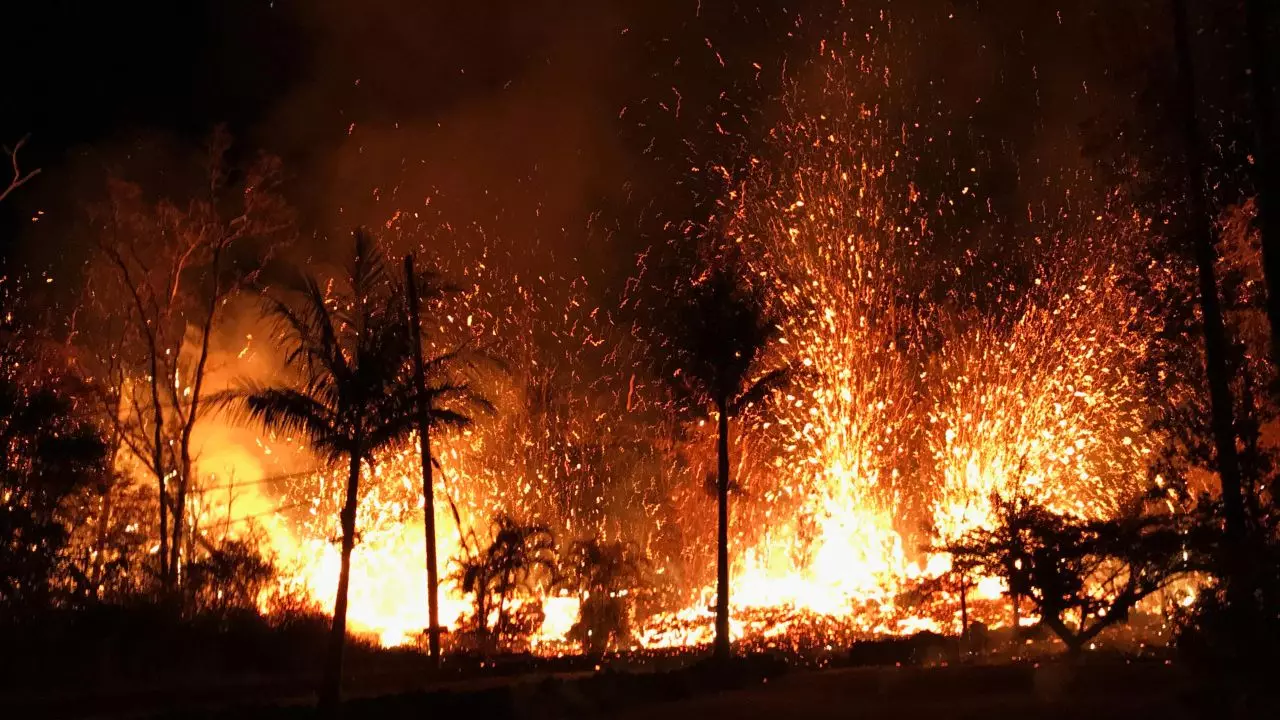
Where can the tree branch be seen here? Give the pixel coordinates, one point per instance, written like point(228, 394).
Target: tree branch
point(19, 179)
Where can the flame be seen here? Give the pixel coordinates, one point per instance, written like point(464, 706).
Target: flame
point(908, 415)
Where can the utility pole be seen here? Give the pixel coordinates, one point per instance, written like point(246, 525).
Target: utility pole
point(424, 443)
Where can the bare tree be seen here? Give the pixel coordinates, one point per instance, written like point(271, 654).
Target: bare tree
point(162, 273)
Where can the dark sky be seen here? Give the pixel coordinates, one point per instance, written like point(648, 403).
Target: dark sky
point(534, 117)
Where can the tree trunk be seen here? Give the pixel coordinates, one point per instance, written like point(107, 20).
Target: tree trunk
point(428, 488)
point(104, 522)
point(1017, 617)
point(186, 463)
point(722, 649)
point(157, 466)
point(1258, 21)
point(331, 683)
point(964, 612)
point(500, 626)
point(482, 613)
point(104, 525)
point(1215, 339)
point(179, 522)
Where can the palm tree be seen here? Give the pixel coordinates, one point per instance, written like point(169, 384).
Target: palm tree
point(717, 343)
point(443, 403)
point(519, 557)
point(349, 351)
point(604, 575)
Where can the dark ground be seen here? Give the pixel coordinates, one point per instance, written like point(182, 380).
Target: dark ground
point(1111, 688)
point(1132, 692)
point(1099, 688)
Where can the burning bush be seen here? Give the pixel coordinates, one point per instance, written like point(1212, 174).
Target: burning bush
point(1082, 576)
point(605, 577)
point(505, 579)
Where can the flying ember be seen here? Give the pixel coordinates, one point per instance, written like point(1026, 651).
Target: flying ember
point(911, 410)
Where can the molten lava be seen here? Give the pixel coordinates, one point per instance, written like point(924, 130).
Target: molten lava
point(914, 406)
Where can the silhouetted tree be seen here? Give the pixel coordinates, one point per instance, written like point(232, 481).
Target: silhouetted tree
point(230, 577)
point(1215, 337)
point(716, 342)
point(49, 449)
point(1259, 16)
point(162, 275)
point(443, 401)
point(520, 558)
point(1241, 668)
point(604, 576)
point(349, 351)
point(1082, 576)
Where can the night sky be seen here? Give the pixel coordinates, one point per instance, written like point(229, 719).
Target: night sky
point(546, 121)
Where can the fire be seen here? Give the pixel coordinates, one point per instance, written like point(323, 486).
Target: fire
point(1050, 408)
point(387, 597)
point(908, 415)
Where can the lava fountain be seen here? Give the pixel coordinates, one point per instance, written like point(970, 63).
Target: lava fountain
point(909, 415)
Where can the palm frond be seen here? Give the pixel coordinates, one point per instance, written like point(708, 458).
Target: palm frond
point(288, 411)
point(368, 267)
point(762, 389)
point(717, 335)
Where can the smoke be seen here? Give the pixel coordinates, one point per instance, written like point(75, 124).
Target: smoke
point(497, 117)
point(534, 151)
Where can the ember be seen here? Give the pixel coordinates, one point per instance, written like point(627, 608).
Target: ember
point(565, 336)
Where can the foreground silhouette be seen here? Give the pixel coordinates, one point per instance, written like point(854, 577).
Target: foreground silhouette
point(717, 342)
point(349, 352)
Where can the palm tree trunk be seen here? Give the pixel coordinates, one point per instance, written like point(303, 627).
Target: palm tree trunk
point(722, 537)
point(1215, 339)
point(428, 491)
point(482, 613)
point(501, 625)
point(429, 528)
point(1258, 19)
point(331, 683)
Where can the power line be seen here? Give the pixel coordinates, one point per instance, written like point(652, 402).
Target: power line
point(274, 511)
point(261, 481)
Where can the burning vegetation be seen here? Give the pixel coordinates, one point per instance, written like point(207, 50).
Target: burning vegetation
point(808, 417)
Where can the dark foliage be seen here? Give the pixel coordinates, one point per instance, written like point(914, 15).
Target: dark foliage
point(49, 450)
point(606, 577)
point(1229, 638)
point(925, 648)
point(716, 340)
point(519, 560)
point(230, 578)
point(715, 345)
point(1082, 575)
